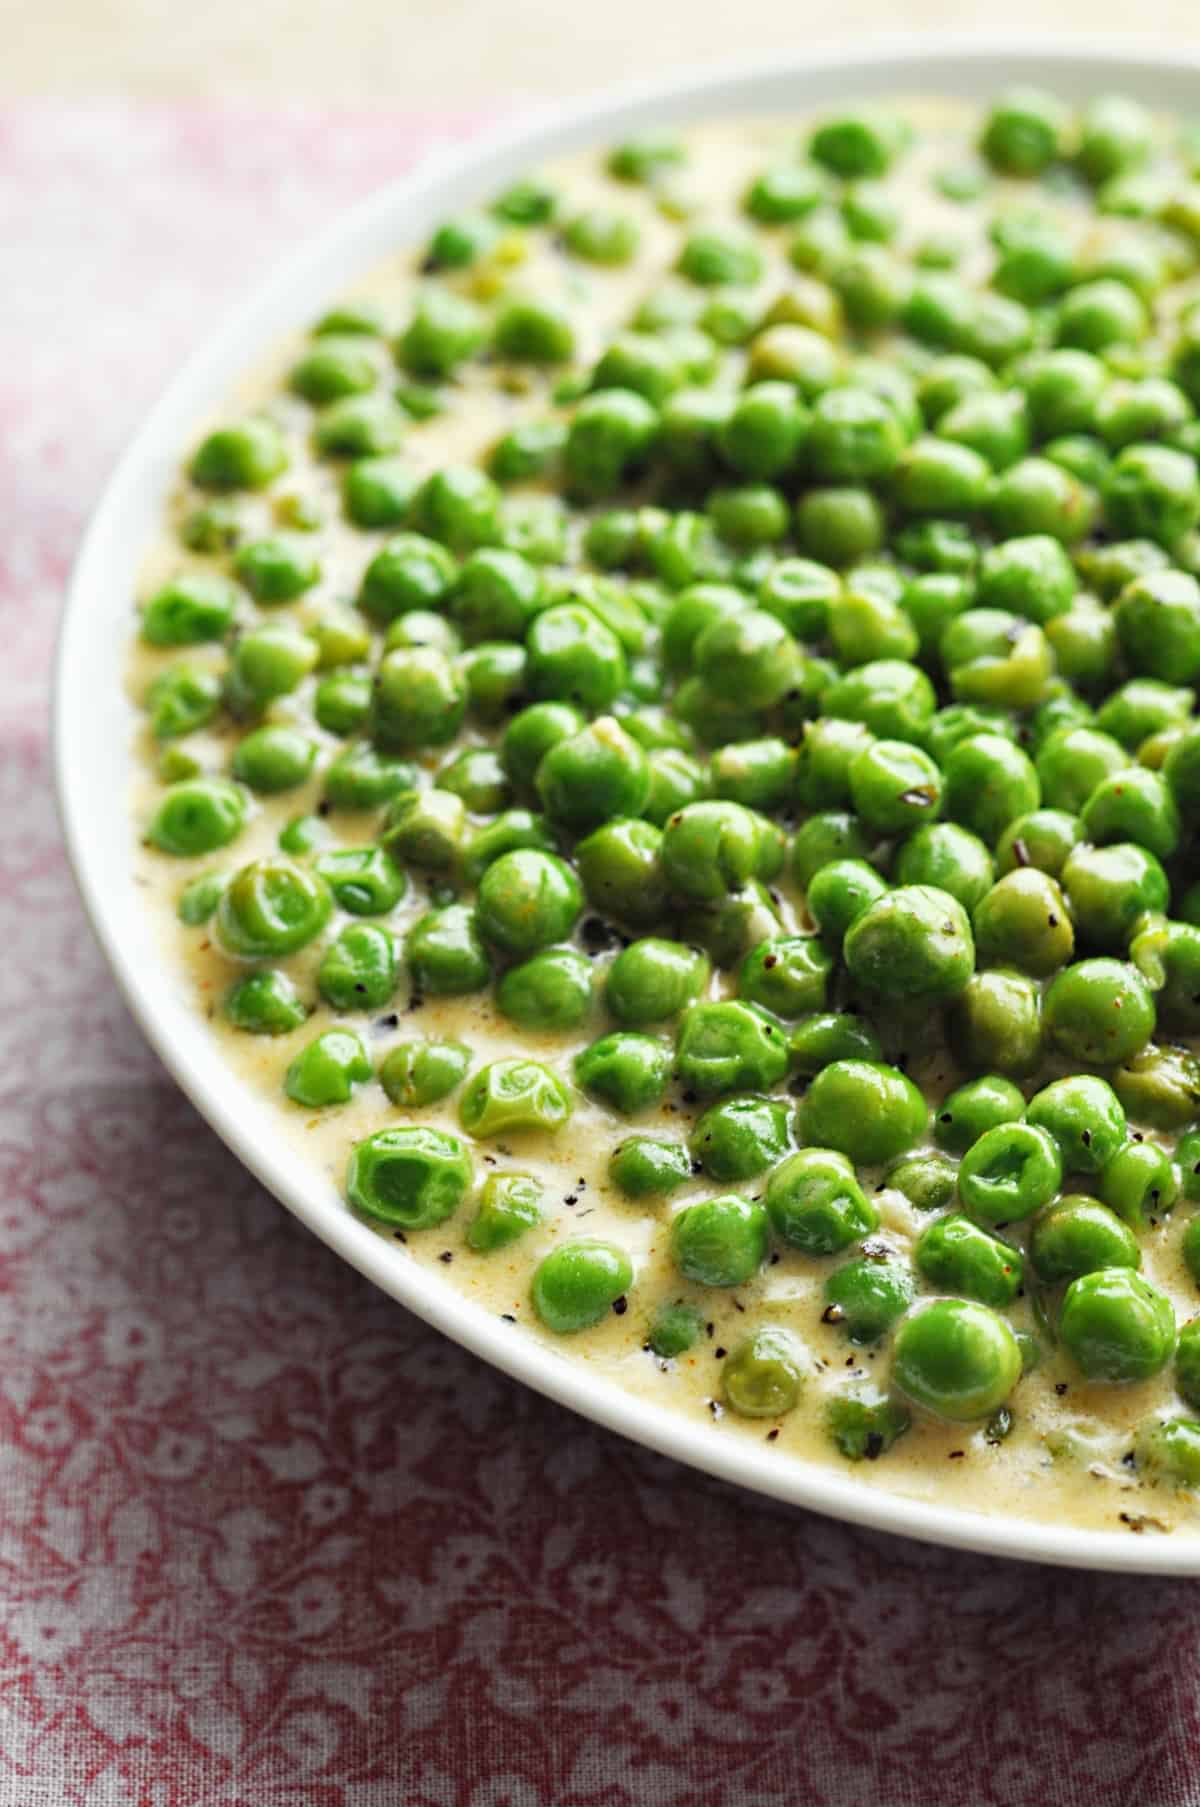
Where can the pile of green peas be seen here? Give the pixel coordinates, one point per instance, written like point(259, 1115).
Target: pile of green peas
point(805, 677)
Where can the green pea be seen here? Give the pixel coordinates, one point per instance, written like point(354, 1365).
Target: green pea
point(415, 1074)
point(1110, 888)
point(360, 426)
point(949, 858)
point(830, 1036)
point(1140, 1183)
point(360, 969)
point(1009, 1173)
point(361, 778)
point(531, 734)
point(956, 1358)
point(1160, 1087)
point(445, 953)
point(527, 900)
point(265, 1003)
point(1170, 1450)
point(620, 869)
point(652, 980)
point(838, 895)
point(327, 1070)
point(1073, 761)
point(866, 1296)
point(1143, 707)
point(675, 1328)
point(720, 1241)
point(839, 523)
point(274, 759)
point(197, 816)
point(914, 942)
point(1158, 623)
point(182, 699)
point(890, 697)
point(827, 835)
point(764, 1374)
point(425, 829)
point(1152, 492)
point(420, 699)
point(1187, 1363)
point(865, 1109)
point(509, 1206)
point(194, 607)
point(624, 1070)
point(1085, 1118)
point(730, 1047)
point(894, 787)
point(1043, 839)
point(1076, 1236)
point(445, 330)
point(1116, 1326)
point(955, 1256)
point(460, 242)
point(974, 1109)
point(511, 830)
point(529, 449)
point(577, 1283)
point(1023, 921)
point(477, 777)
point(200, 897)
point(927, 1179)
point(1133, 805)
point(991, 658)
point(410, 1178)
point(740, 1137)
point(550, 991)
point(988, 783)
point(271, 907)
point(574, 658)
point(862, 143)
point(995, 1023)
point(411, 571)
point(248, 454)
point(511, 1095)
point(863, 1425)
point(597, 774)
point(609, 437)
point(643, 1167)
point(815, 1203)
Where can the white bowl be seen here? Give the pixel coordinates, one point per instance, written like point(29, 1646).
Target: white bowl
point(93, 721)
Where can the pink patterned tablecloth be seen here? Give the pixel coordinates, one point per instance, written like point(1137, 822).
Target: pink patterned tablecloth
point(265, 1541)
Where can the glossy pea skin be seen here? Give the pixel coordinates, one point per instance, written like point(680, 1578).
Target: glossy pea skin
point(838, 895)
point(1073, 761)
point(1023, 921)
point(181, 699)
point(1169, 1450)
point(425, 829)
point(995, 1022)
point(509, 1207)
point(597, 774)
point(951, 858)
point(866, 1110)
point(1140, 1183)
point(197, 816)
point(1109, 889)
point(954, 1255)
point(620, 868)
point(1160, 1087)
point(730, 1047)
point(739, 1138)
point(831, 834)
point(988, 783)
point(1043, 839)
point(786, 975)
point(864, 1424)
point(867, 1295)
point(624, 1070)
point(270, 908)
point(815, 1202)
point(1134, 806)
point(956, 1358)
point(274, 759)
point(894, 787)
point(675, 1328)
point(551, 991)
point(1116, 1326)
point(327, 1070)
point(1010, 1172)
point(527, 900)
point(653, 979)
point(360, 969)
point(763, 1376)
point(265, 1003)
point(362, 778)
point(1085, 1118)
point(971, 1110)
point(914, 942)
point(1077, 1235)
point(720, 1241)
point(416, 1074)
point(409, 1178)
point(1099, 1011)
point(647, 1167)
point(710, 848)
point(578, 1282)
point(831, 1035)
point(511, 1095)
point(445, 953)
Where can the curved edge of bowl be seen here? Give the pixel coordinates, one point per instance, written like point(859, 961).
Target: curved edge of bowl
point(92, 727)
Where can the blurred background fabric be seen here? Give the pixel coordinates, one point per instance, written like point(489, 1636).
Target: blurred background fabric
point(265, 1540)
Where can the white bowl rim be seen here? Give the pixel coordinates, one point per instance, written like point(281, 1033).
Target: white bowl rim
point(92, 720)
